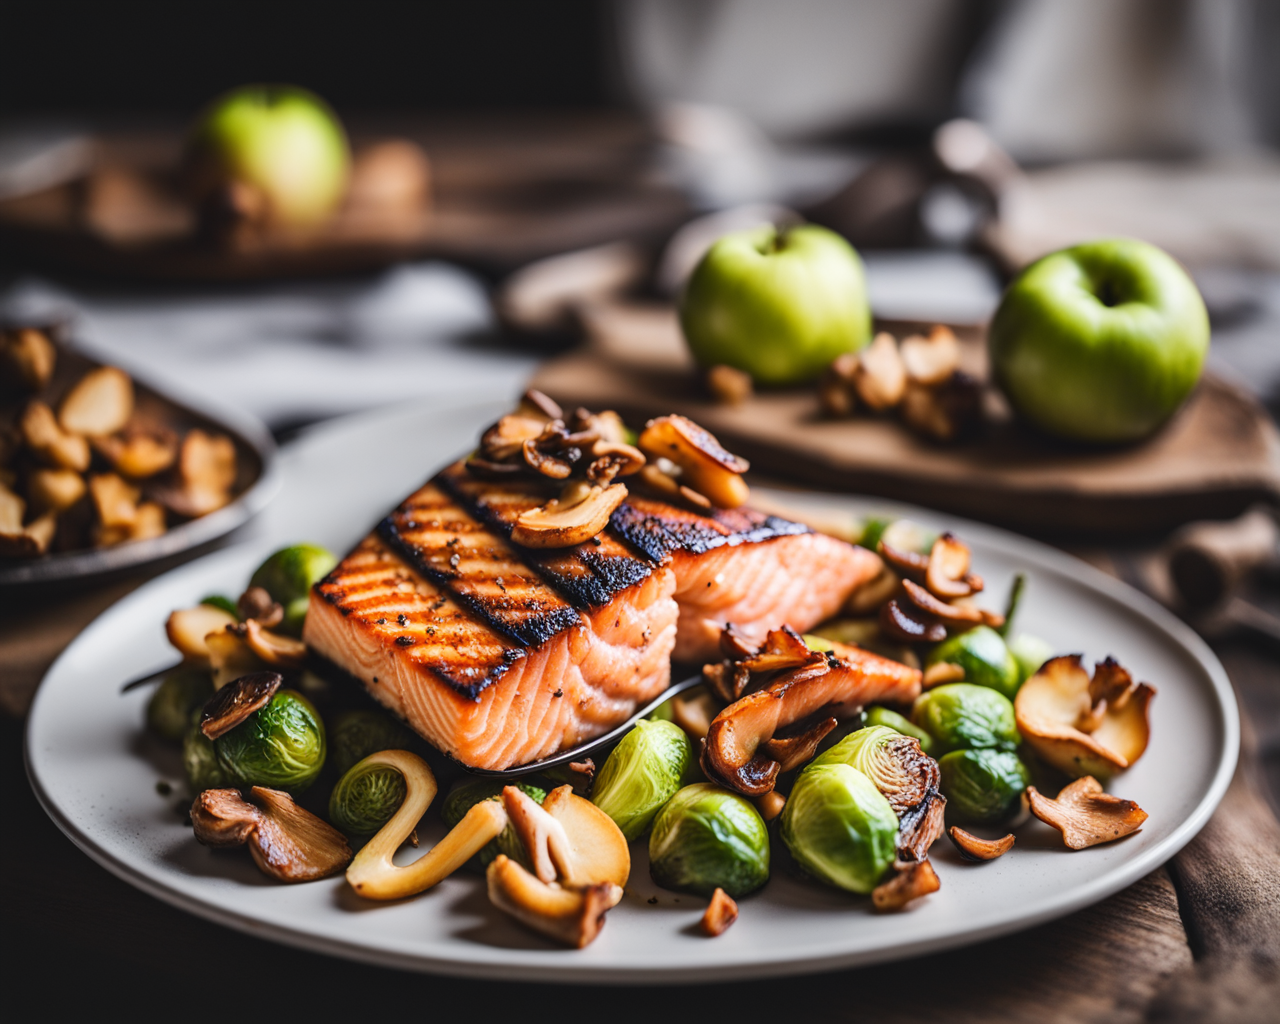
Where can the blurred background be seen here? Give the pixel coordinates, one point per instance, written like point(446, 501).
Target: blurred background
point(950, 140)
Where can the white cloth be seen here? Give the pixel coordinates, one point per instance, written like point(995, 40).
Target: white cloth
point(294, 353)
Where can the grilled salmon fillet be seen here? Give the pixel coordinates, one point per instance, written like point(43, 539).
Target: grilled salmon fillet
point(500, 655)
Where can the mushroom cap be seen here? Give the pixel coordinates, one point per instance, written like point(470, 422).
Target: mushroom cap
point(1059, 717)
point(565, 522)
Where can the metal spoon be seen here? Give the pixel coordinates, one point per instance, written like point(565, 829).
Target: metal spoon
point(583, 749)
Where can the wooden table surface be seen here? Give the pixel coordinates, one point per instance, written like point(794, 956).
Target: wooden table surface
point(1198, 939)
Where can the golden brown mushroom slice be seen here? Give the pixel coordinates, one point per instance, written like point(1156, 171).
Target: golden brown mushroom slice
point(721, 912)
point(947, 574)
point(233, 704)
point(18, 540)
point(55, 490)
point(956, 616)
point(705, 466)
point(373, 875)
point(581, 512)
point(46, 438)
point(27, 358)
point(841, 682)
point(909, 882)
point(973, 848)
point(880, 377)
point(138, 453)
point(100, 403)
point(581, 863)
point(207, 474)
point(189, 628)
point(933, 359)
point(286, 842)
point(1085, 815)
point(1085, 726)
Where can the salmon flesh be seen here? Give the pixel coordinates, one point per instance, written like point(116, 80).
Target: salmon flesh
point(500, 655)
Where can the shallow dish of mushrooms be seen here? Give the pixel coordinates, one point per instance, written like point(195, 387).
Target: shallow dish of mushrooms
point(569, 859)
point(100, 472)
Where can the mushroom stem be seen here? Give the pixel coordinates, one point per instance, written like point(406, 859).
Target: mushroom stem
point(372, 873)
point(573, 916)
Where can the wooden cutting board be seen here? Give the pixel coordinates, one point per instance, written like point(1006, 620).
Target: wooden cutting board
point(1219, 454)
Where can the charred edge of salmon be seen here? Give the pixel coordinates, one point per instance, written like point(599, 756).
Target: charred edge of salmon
point(535, 626)
point(659, 529)
point(587, 576)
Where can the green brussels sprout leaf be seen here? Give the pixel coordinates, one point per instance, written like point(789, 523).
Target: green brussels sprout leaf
point(839, 827)
point(985, 658)
point(181, 692)
point(200, 761)
point(876, 715)
point(962, 716)
point(366, 798)
point(706, 838)
point(279, 746)
point(983, 785)
point(642, 773)
point(288, 576)
point(357, 734)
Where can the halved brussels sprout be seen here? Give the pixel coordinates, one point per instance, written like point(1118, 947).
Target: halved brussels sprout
point(642, 773)
point(962, 716)
point(200, 761)
point(355, 735)
point(467, 794)
point(366, 797)
point(983, 785)
point(279, 746)
point(1031, 653)
point(839, 827)
point(895, 763)
point(877, 715)
point(288, 576)
point(707, 838)
point(181, 692)
point(985, 658)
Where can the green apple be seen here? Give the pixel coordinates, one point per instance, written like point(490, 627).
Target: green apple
point(1100, 342)
point(779, 305)
point(281, 140)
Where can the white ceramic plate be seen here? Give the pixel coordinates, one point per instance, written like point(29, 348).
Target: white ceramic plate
point(96, 773)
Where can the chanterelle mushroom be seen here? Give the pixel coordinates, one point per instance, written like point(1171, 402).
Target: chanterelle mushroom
point(1084, 726)
point(286, 842)
point(580, 513)
point(1085, 815)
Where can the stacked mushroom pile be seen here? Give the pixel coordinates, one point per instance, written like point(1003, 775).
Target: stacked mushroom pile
point(920, 378)
point(589, 454)
point(89, 474)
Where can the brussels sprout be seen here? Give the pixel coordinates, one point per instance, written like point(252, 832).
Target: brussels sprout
point(872, 530)
point(288, 577)
point(877, 715)
point(182, 691)
point(1030, 652)
point(906, 535)
point(706, 838)
point(983, 785)
point(986, 661)
point(365, 798)
point(893, 762)
point(200, 761)
point(355, 735)
point(466, 795)
point(962, 716)
point(279, 746)
point(223, 603)
point(839, 827)
point(641, 774)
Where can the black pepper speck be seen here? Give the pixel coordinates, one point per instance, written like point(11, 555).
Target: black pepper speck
point(404, 641)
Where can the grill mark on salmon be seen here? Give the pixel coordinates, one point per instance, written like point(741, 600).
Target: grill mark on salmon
point(658, 529)
point(465, 687)
point(445, 544)
point(390, 608)
point(588, 575)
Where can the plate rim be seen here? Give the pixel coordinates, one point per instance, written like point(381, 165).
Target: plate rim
point(509, 965)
